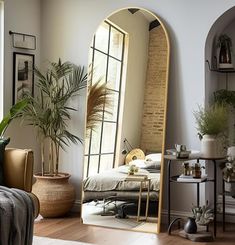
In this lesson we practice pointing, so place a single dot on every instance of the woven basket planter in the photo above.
(56, 195)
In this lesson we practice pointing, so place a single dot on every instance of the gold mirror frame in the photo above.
(165, 113)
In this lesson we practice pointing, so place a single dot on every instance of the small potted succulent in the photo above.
(132, 169)
(203, 215)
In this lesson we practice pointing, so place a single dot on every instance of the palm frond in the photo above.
(49, 112)
(99, 101)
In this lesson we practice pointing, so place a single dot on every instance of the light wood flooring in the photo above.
(70, 228)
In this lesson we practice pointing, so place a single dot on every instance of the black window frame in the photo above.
(108, 56)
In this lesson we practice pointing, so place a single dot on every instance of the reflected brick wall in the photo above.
(154, 96)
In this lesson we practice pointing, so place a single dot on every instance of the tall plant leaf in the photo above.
(13, 113)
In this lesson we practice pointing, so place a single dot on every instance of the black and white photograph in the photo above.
(23, 75)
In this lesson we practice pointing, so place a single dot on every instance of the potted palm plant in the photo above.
(211, 124)
(49, 113)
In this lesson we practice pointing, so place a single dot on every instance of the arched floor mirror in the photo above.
(123, 162)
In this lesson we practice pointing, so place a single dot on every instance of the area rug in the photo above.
(49, 241)
(92, 215)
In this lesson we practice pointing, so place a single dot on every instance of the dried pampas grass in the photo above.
(99, 100)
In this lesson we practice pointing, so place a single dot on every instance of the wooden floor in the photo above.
(70, 228)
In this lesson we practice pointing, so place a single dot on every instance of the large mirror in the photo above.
(123, 161)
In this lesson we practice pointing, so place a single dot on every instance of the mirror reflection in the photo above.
(124, 144)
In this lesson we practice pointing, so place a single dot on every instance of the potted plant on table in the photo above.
(49, 113)
(211, 124)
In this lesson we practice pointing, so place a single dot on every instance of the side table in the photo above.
(173, 179)
(224, 194)
(144, 182)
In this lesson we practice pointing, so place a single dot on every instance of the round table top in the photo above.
(193, 157)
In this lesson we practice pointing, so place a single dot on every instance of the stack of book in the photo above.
(190, 178)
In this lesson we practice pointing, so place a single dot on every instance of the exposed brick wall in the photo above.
(154, 95)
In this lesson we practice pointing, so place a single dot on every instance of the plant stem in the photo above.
(42, 156)
(57, 159)
(52, 156)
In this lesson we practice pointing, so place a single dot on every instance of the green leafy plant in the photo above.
(211, 121)
(50, 111)
(132, 169)
(14, 112)
(225, 97)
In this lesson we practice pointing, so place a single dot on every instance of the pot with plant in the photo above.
(211, 125)
(225, 56)
(203, 215)
(50, 113)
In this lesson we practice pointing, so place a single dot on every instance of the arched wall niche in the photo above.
(214, 80)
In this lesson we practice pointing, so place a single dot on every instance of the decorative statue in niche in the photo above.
(225, 57)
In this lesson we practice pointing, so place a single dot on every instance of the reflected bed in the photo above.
(112, 183)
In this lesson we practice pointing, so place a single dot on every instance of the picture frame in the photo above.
(23, 76)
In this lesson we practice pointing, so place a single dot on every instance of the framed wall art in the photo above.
(23, 41)
(23, 76)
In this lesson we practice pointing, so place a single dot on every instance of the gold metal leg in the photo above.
(139, 203)
(147, 202)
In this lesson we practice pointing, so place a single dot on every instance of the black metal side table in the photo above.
(224, 194)
(173, 179)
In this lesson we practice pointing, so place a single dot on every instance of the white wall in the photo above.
(68, 27)
(20, 16)
(136, 25)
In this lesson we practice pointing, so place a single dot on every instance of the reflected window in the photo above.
(106, 54)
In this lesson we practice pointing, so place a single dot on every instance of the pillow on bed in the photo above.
(125, 169)
(146, 164)
(138, 163)
(153, 160)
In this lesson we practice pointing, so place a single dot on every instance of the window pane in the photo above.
(93, 166)
(116, 43)
(114, 73)
(106, 162)
(95, 140)
(100, 64)
(102, 37)
(112, 108)
(109, 134)
(85, 167)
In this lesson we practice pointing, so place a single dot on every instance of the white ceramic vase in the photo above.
(211, 147)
